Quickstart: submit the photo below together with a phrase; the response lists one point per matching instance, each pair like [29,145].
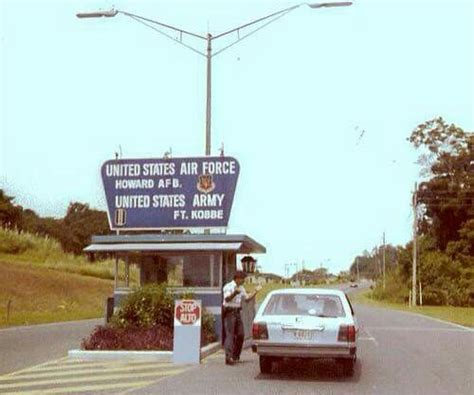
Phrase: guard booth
[167,195]
[197,263]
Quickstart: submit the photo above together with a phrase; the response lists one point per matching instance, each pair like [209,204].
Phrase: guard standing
[234,295]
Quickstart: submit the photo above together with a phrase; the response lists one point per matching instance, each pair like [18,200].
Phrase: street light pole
[415,228]
[209,38]
[208,95]
[383,261]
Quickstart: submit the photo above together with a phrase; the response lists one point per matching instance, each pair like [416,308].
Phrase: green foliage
[10,214]
[10,243]
[82,222]
[74,231]
[147,306]
[208,334]
[395,290]
[152,306]
[46,252]
[370,263]
[445,247]
[445,280]
[447,197]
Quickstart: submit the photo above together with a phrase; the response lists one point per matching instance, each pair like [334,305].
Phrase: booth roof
[171,242]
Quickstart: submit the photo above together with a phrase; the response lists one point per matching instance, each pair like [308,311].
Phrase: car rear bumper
[305,351]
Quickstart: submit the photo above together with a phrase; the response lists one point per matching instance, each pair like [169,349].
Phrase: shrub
[395,289]
[12,242]
[144,321]
[146,307]
[131,338]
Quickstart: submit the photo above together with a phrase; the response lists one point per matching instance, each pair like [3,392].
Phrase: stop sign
[187,312]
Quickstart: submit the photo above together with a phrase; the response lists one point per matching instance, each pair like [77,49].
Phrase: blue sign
[146,194]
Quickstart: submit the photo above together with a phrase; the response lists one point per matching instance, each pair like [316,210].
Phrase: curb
[122,355]
[210,349]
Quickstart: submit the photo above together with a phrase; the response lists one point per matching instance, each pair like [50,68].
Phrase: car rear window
[305,304]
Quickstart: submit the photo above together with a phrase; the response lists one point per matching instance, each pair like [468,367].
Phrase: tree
[447,196]
[10,214]
[81,223]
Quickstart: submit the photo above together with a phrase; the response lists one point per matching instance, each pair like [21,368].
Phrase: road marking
[35,367]
[371,337]
[417,329]
[97,377]
[68,376]
[84,388]
[88,365]
[78,371]
[466,328]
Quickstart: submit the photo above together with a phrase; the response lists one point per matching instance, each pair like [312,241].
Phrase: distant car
[305,323]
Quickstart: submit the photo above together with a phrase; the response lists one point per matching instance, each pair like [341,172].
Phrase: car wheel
[265,364]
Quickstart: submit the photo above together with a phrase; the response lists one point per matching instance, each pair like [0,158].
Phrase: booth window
[200,270]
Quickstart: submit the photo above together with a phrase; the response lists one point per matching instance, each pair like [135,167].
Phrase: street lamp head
[332,4]
[97,14]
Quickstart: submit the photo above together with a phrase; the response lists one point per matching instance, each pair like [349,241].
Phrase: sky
[316,107]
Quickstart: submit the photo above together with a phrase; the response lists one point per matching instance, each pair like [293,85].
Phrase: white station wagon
[305,323]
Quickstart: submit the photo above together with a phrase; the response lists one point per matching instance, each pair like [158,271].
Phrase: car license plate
[303,334]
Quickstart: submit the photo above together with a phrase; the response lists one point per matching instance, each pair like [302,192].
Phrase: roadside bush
[145,314]
[12,242]
[131,338]
[146,307]
[395,289]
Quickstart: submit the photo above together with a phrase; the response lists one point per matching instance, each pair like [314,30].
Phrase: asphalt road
[399,353]
[24,346]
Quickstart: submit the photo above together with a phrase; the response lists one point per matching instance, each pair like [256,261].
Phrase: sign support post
[187,332]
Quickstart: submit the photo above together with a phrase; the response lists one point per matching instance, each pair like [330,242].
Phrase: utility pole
[383,260]
[415,226]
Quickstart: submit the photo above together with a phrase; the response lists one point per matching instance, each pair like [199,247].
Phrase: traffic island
[123,355]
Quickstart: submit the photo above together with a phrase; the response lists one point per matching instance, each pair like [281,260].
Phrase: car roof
[308,291]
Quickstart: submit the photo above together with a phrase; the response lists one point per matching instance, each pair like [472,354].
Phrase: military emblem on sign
[205,183]
[120,217]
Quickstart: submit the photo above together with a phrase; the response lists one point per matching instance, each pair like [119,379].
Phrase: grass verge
[458,315]
[39,295]
[41,251]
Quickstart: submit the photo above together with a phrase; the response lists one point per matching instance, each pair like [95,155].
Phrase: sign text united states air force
[170,193]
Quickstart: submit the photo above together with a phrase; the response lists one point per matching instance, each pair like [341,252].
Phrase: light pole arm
[176,29]
[286,10]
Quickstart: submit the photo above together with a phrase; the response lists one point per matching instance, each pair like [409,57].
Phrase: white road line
[466,328]
[88,365]
[88,379]
[371,337]
[35,367]
[417,329]
[78,371]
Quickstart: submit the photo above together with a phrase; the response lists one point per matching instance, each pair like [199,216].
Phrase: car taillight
[259,331]
[347,333]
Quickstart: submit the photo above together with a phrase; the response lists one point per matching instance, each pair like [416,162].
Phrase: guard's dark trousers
[234,333]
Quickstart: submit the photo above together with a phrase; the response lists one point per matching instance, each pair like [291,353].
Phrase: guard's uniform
[233,326]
